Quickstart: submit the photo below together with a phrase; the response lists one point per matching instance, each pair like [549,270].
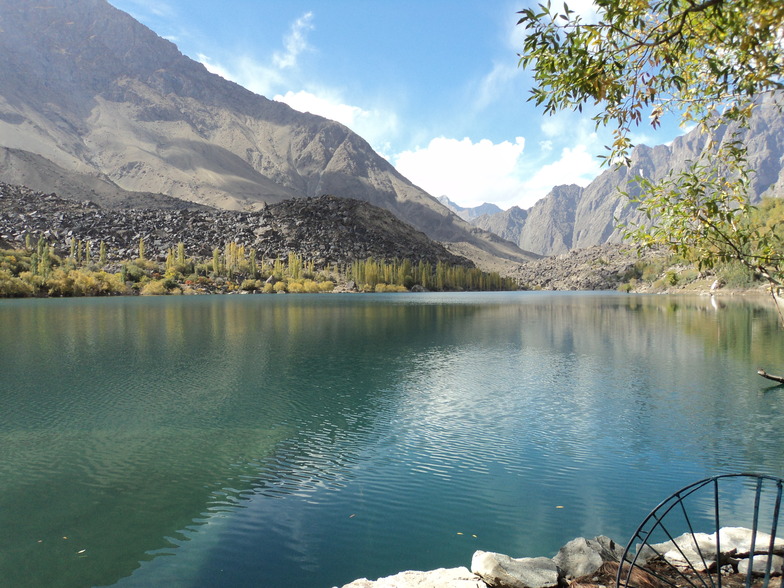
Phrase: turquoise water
[310,440]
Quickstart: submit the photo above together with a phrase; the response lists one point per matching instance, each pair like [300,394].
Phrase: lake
[310,440]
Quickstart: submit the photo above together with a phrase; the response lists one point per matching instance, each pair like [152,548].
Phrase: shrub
[310,287]
[13,287]
[380,288]
[249,285]
[736,275]
[60,283]
[688,275]
[651,271]
[153,288]
[111,283]
[133,273]
[84,284]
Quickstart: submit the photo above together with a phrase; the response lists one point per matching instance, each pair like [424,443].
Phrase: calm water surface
[309,440]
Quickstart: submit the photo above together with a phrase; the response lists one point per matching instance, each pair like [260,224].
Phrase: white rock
[760,563]
[582,556]
[577,558]
[441,578]
[739,538]
[687,542]
[691,558]
[498,569]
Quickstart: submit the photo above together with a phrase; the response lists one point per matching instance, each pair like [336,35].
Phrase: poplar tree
[42,250]
[216,264]
[253,270]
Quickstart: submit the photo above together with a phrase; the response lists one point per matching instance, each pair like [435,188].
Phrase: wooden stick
[765,374]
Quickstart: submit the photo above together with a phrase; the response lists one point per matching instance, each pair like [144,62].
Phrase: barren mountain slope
[576,218]
[100,96]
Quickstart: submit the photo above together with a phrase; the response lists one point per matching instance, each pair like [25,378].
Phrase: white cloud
[215,68]
[587,10]
[260,77]
[247,72]
[295,42]
[471,173]
[155,7]
[468,173]
[307,102]
[375,125]
[577,165]
[555,126]
[495,84]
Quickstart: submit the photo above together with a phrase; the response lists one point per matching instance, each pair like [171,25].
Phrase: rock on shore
[496,570]
[593,561]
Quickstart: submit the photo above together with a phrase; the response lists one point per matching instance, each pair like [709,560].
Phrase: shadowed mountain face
[95,104]
[571,217]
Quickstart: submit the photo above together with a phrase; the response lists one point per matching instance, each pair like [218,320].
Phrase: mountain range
[572,217]
[470,213]
[94,105]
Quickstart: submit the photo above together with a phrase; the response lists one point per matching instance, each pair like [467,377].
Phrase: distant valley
[571,217]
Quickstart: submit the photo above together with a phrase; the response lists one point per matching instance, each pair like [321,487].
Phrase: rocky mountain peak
[93,102]
[570,217]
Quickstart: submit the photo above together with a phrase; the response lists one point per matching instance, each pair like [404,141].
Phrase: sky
[433,85]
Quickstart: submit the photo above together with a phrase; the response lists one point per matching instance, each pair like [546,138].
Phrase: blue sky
[433,85]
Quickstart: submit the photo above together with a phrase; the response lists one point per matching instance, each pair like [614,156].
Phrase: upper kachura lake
[310,440]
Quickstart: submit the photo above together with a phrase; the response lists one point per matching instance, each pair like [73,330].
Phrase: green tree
[44,256]
[294,265]
[216,261]
[709,63]
[252,268]
[181,253]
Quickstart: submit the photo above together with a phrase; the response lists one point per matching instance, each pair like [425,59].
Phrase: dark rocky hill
[326,229]
[601,267]
[92,102]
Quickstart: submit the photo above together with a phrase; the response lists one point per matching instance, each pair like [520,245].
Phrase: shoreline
[592,563]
